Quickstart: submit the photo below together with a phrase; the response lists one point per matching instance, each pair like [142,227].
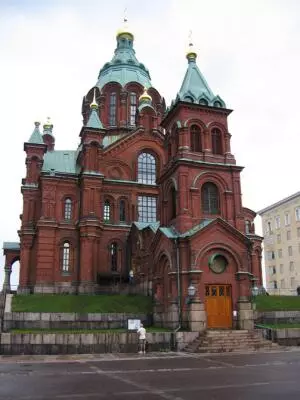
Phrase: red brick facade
[83,227]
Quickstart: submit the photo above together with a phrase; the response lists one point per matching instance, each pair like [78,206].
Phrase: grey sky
[249,52]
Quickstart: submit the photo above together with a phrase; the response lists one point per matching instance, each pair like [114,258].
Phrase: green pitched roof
[61,161]
[195,89]
[11,246]
[171,233]
[94,120]
[142,225]
[36,137]
[124,66]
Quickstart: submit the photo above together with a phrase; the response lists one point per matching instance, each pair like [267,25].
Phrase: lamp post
[191,292]
[254,290]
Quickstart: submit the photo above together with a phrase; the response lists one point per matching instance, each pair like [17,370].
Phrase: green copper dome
[124,66]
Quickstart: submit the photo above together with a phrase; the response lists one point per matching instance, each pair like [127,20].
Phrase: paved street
[170,376]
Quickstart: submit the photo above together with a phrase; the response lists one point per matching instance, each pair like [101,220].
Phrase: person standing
[142,339]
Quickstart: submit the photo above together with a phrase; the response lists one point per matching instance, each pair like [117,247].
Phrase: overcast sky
[248,50]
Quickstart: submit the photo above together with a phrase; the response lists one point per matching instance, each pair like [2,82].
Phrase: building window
[68,209]
[146,209]
[298,232]
[282,284]
[196,144]
[210,198]
[287,219]
[281,268]
[173,202]
[290,251]
[114,256]
[112,109]
[66,257]
[288,235]
[293,283]
[107,211]
[275,285]
[297,213]
[291,266]
[247,227]
[277,222]
[146,169]
[273,270]
[216,138]
[122,210]
[132,109]
[279,238]
[280,253]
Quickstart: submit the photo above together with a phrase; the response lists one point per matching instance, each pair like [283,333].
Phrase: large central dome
[124,66]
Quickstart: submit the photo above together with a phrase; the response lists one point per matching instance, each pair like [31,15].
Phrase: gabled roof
[60,161]
[171,233]
[143,225]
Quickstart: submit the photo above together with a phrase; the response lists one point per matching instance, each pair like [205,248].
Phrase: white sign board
[133,324]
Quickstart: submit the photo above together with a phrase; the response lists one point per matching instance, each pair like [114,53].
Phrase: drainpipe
[178,292]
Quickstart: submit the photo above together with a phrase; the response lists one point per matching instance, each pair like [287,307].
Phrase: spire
[124,30]
[194,87]
[94,120]
[145,100]
[36,137]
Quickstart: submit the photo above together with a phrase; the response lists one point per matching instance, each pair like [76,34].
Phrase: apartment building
[281,229]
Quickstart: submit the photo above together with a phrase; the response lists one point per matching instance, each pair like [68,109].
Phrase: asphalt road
[259,376]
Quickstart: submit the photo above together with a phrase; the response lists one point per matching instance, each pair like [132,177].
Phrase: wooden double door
[218,302]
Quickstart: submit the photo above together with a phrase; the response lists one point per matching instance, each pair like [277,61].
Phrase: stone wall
[284,337]
[58,343]
[277,317]
[18,320]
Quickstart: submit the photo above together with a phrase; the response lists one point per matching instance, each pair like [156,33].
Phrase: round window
[218,263]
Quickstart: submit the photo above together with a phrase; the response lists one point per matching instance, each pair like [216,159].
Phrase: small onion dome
[125,31]
[94,104]
[191,52]
[48,125]
[145,96]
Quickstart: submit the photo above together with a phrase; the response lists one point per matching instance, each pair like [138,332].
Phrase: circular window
[218,263]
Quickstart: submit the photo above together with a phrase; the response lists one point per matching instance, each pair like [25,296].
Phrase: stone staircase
[225,341]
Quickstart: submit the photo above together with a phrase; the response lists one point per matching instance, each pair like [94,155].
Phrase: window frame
[146,168]
[145,206]
[66,261]
[132,108]
[196,138]
[207,200]
[112,110]
[216,141]
[107,211]
[68,209]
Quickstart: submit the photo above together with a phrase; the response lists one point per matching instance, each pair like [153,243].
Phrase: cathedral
[150,199]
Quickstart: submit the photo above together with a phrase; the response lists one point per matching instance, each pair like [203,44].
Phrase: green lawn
[82,304]
[277,303]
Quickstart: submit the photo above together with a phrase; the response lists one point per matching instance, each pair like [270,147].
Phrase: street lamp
[191,291]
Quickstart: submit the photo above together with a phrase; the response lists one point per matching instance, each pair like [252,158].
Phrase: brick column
[6,283]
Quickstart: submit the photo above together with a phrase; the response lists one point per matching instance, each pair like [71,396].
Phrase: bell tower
[200,180]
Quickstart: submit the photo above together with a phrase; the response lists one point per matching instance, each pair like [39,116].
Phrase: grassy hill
[82,304]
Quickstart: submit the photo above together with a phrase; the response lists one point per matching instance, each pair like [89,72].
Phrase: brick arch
[164,254]
[162,288]
[208,176]
[155,152]
[194,121]
[218,125]
[170,182]
[220,247]
[120,254]
[119,166]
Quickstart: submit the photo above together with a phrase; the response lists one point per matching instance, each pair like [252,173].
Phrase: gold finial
[191,53]
[94,104]
[48,124]
[145,96]
[124,30]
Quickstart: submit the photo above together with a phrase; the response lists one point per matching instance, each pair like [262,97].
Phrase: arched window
[132,109]
[173,202]
[196,138]
[68,209]
[112,109]
[210,199]
[146,169]
[107,211]
[114,256]
[216,138]
[66,257]
[122,211]
[247,226]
